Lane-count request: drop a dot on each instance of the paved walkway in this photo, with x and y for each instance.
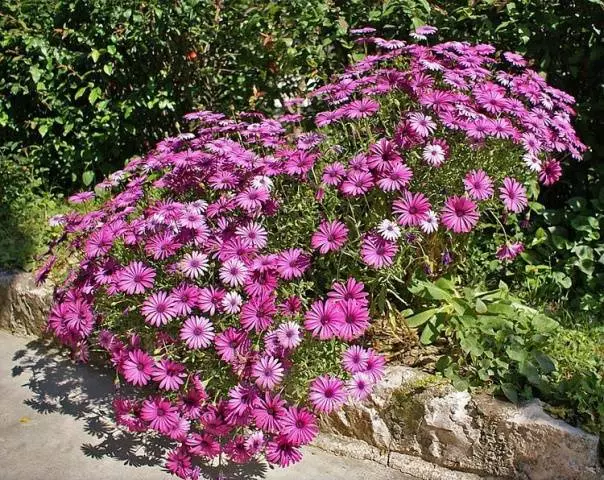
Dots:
(53, 427)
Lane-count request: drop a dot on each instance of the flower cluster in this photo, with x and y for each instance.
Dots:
(230, 275)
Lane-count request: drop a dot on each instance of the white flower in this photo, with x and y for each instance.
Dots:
(389, 230)
(430, 224)
(262, 181)
(532, 161)
(232, 302)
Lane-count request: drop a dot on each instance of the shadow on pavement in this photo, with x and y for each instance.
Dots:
(85, 392)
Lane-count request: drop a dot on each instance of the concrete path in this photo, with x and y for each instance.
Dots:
(54, 425)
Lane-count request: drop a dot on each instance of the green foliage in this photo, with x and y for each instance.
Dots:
(493, 340)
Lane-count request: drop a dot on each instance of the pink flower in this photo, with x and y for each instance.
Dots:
(352, 320)
(377, 252)
(435, 153)
(138, 367)
(136, 278)
(203, 444)
(333, 173)
(509, 251)
(513, 195)
(459, 214)
(160, 413)
(395, 177)
(292, 263)
(159, 309)
(268, 412)
(550, 173)
(515, 59)
(422, 125)
(268, 372)
(375, 366)
(331, 236)
(356, 184)
(288, 335)
(257, 314)
(197, 332)
(253, 235)
(362, 108)
(169, 374)
(230, 343)
(478, 185)
(322, 319)
(411, 208)
(233, 272)
(299, 426)
(194, 264)
(350, 290)
(354, 359)
(283, 452)
(327, 393)
(359, 387)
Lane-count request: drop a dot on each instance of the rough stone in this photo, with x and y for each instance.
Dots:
(23, 305)
(412, 413)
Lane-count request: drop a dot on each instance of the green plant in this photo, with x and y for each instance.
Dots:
(495, 340)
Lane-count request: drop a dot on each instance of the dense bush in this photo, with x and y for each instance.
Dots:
(226, 273)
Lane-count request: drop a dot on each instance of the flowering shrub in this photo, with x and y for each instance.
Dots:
(230, 275)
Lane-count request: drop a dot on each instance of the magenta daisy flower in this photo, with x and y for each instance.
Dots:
(282, 452)
(333, 174)
(513, 195)
(351, 290)
(299, 426)
(159, 309)
(185, 298)
(550, 172)
(252, 235)
(330, 237)
(197, 332)
(135, 278)
(230, 342)
(268, 372)
(137, 368)
(168, 374)
(395, 177)
(203, 444)
(321, 319)
(354, 359)
(252, 198)
(268, 412)
(515, 59)
(292, 263)
(194, 264)
(160, 414)
(327, 393)
(352, 321)
(411, 208)
(377, 252)
(288, 335)
(365, 107)
(375, 365)
(257, 314)
(459, 214)
(509, 251)
(356, 183)
(422, 125)
(478, 185)
(233, 272)
(360, 386)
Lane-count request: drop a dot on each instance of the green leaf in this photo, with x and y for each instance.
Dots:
(43, 129)
(481, 307)
(421, 318)
(80, 92)
(108, 69)
(510, 392)
(545, 362)
(95, 54)
(35, 73)
(87, 177)
(94, 95)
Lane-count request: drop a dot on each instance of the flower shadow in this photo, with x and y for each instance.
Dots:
(85, 392)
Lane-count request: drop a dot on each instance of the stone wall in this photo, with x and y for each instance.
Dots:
(413, 413)
(23, 305)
